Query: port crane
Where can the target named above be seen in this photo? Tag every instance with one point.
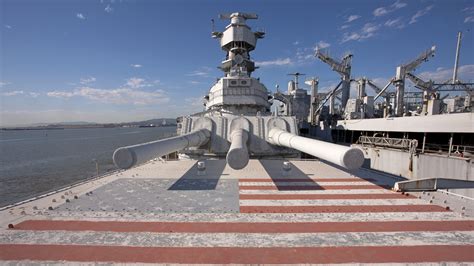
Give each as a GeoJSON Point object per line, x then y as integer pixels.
{"type": "Point", "coordinates": [401, 74]}
{"type": "Point", "coordinates": [380, 92]}
{"type": "Point", "coordinates": [343, 67]}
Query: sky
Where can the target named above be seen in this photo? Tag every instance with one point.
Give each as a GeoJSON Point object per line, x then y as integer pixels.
{"type": "Point", "coordinates": [130, 60]}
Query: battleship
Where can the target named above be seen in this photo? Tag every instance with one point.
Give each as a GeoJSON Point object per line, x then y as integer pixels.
{"type": "Point", "coordinates": [323, 179]}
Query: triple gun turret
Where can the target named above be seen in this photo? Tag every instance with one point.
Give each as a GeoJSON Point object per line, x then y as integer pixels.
{"type": "Point", "coordinates": [237, 123]}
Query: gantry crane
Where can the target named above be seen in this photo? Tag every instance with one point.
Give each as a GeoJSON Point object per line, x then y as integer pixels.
{"type": "Point", "coordinates": [342, 67]}
{"type": "Point", "coordinates": [401, 75]}
{"type": "Point", "coordinates": [361, 92]}
{"type": "Point", "coordinates": [425, 86]}
{"type": "Point", "coordinates": [330, 96]}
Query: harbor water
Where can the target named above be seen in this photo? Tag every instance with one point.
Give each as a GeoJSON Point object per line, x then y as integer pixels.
{"type": "Point", "coordinates": [36, 161]}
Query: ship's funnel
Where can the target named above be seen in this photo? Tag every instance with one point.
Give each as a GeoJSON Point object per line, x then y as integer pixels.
{"type": "Point", "coordinates": [129, 156]}
{"type": "Point", "coordinates": [347, 157]}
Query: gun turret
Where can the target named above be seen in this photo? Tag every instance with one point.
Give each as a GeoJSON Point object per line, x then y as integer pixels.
{"type": "Point", "coordinates": [126, 157]}
{"type": "Point", "coordinates": [347, 157]}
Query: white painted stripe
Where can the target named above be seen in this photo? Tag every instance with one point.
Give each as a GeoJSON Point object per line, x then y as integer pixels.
{"type": "Point", "coordinates": [333, 202]}
{"type": "Point", "coordinates": [257, 217]}
{"type": "Point", "coordinates": [238, 239]}
{"type": "Point", "coordinates": [306, 176]}
{"type": "Point", "coordinates": [75, 263]}
{"type": "Point", "coordinates": [305, 192]}
{"type": "Point", "coordinates": [307, 183]}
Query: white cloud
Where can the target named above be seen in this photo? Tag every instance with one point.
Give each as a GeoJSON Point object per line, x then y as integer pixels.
{"type": "Point", "coordinates": [87, 80]}
{"type": "Point", "coordinates": [20, 92]}
{"type": "Point", "coordinates": [136, 65]}
{"type": "Point", "coordinates": [8, 27]}
{"type": "Point", "coordinates": [13, 93]}
{"type": "Point", "coordinates": [60, 94]}
{"type": "Point", "coordinates": [395, 23]}
{"type": "Point", "coordinates": [469, 19]}
{"type": "Point", "coordinates": [353, 36]}
{"type": "Point", "coordinates": [469, 9]}
{"type": "Point", "coordinates": [194, 101]}
{"type": "Point", "coordinates": [322, 45]}
{"type": "Point", "coordinates": [343, 27]}
{"type": "Point", "coordinates": [367, 31]}
{"type": "Point", "coordinates": [296, 43]}
{"type": "Point", "coordinates": [465, 73]}
{"type": "Point", "coordinates": [135, 83]}
{"type": "Point", "coordinates": [420, 13]}
{"type": "Point", "coordinates": [194, 82]}
{"type": "Point", "coordinates": [108, 9]}
{"type": "Point", "coordinates": [304, 54]}
{"type": "Point", "coordinates": [4, 83]}
{"type": "Point", "coordinates": [202, 72]}
{"type": "Point", "coordinates": [380, 11]}
{"type": "Point", "coordinates": [388, 9]}
{"type": "Point", "coordinates": [80, 16]}
{"type": "Point", "coordinates": [114, 96]}
{"type": "Point", "coordinates": [370, 28]}
{"type": "Point", "coordinates": [352, 18]}
{"type": "Point", "coordinates": [276, 62]}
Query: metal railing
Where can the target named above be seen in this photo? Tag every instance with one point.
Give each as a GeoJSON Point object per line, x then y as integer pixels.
{"type": "Point", "coordinates": [404, 144]}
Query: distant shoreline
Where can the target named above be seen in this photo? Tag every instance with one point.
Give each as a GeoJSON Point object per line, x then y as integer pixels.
{"type": "Point", "coordinates": [81, 127]}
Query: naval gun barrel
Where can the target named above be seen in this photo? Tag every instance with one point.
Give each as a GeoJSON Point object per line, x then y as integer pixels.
{"type": "Point", "coordinates": [126, 157]}
{"type": "Point", "coordinates": [238, 154]}
{"type": "Point", "coordinates": [347, 157]}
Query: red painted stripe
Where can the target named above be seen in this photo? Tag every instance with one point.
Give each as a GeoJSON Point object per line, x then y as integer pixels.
{"type": "Point", "coordinates": [394, 254]}
{"type": "Point", "coordinates": [312, 187]}
{"type": "Point", "coordinates": [322, 196]}
{"type": "Point", "coordinates": [351, 179]}
{"type": "Point", "coordinates": [341, 209]}
{"type": "Point", "coordinates": [245, 227]}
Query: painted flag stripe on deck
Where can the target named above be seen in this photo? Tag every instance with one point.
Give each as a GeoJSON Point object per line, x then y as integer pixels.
{"type": "Point", "coordinates": [334, 202]}
{"type": "Point", "coordinates": [353, 179]}
{"type": "Point", "coordinates": [395, 254]}
{"type": "Point", "coordinates": [341, 209]}
{"type": "Point", "coordinates": [308, 183]}
{"type": "Point", "coordinates": [242, 227]}
{"type": "Point", "coordinates": [263, 217]}
{"type": "Point", "coordinates": [377, 190]}
{"type": "Point", "coordinates": [323, 196]}
{"type": "Point", "coordinates": [334, 187]}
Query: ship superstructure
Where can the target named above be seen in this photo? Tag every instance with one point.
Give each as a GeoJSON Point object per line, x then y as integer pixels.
{"type": "Point", "coordinates": [408, 127]}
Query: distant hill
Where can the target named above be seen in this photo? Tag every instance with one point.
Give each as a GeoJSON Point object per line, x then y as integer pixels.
{"type": "Point", "coordinates": [75, 123]}
{"type": "Point", "coordinates": [79, 124]}
{"type": "Point", "coordinates": [157, 121]}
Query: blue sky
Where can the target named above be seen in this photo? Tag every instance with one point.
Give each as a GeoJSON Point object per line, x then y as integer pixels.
{"type": "Point", "coordinates": [112, 61]}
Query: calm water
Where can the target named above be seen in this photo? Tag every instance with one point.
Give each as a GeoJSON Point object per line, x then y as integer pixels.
{"type": "Point", "coordinates": [36, 161]}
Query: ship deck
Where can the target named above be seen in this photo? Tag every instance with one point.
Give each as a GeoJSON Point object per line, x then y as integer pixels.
{"type": "Point", "coordinates": [169, 212]}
